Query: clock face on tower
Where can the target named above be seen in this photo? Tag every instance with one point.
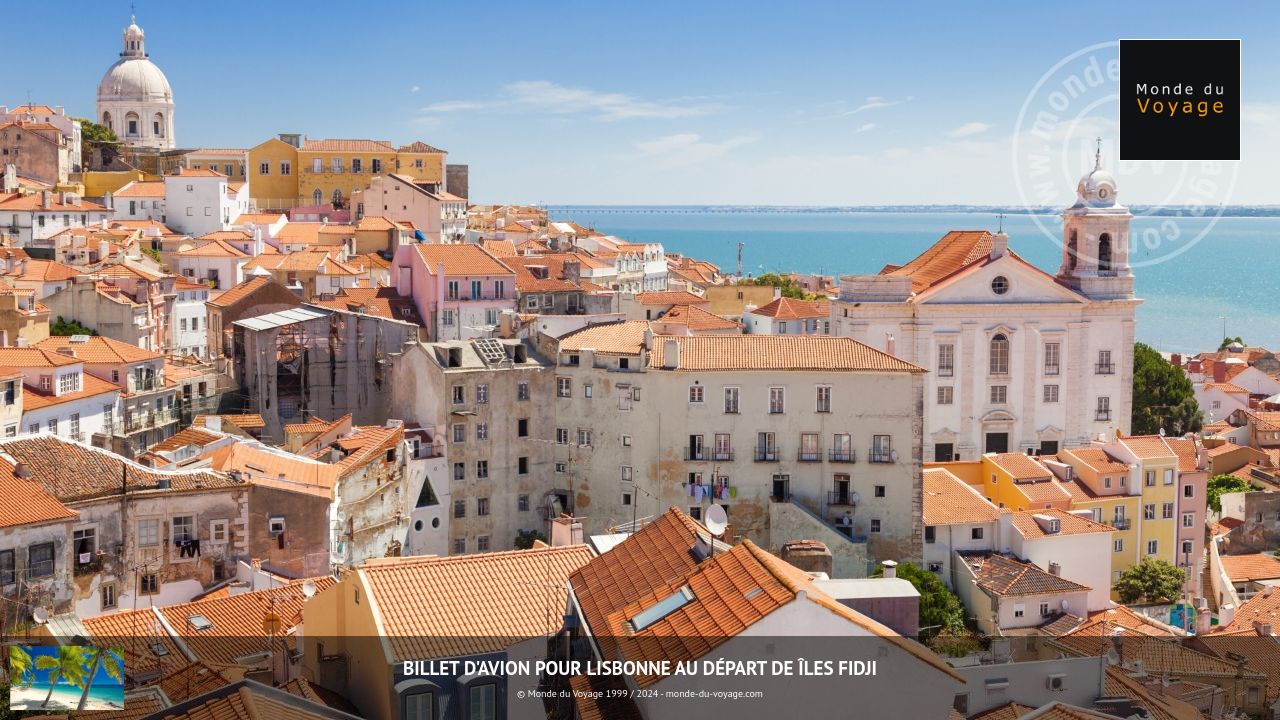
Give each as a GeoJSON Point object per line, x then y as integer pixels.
{"type": "Point", "coordinates": [1103, 192]}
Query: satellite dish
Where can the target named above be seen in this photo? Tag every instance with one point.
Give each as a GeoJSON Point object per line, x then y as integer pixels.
{"type": "Point", "coordinates": [717, 520]}
{"type": "Point", "coordinates": [40, 615]}
{"type": "Point", "coordinates": [309, 588]}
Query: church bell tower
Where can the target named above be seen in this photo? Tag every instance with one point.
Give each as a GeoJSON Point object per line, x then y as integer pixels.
{"type": "Point", "coordinates": [1095, 239]}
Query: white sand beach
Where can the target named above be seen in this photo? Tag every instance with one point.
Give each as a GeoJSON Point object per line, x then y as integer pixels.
{"type": "Point", "coordinates": [64, 698]}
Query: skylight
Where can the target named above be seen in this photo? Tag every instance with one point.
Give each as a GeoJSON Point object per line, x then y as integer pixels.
{"type": "Point", "coordinates": [199, 622]}
{"type": "Point", "coordinates": [663, 608]}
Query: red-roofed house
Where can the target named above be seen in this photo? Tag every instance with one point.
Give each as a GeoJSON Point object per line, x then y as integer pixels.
{"type": "Point", "coordinates": [789, 316]}
{"type": "Point", "coordinates": [460, 290]}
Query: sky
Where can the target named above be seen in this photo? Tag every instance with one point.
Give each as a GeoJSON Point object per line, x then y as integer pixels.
{"type": "Point", "coordinates": [101, 677]}
{"type": "Point", "coordinates": [803, 103]}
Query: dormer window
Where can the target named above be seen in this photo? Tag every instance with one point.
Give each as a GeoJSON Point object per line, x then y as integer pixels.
{"type": "Point", "coordinates": [68, 383]}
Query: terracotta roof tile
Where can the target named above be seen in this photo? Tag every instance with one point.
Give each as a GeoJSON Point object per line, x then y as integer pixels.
{"type": "Point", "coordinates": [614, 338]}
{"type": "Point", "coordinates": [27, 502]}
{"type": "Point", "coordinates": [1148, 447]}
{"type": "Point", "coordinates": [274, 468]}
{"type": "Point", "coordinates": [420, 147]}
{"type": "Point", "coordinates": [776, 352]}
{"type": "Point", "coordinates": [1008, 577]}
{"type": "Point", "coordinates": [142, 188]}
{"type": "Point", "coordinates": [785, 308]}
{"type": "Point", "coordinates": [1069, 524]}
{"type": "Point", "coordinates": [948, 500]}
{"type": "Point", "coordinates": [344, 145]}
{"type": "Point", "coordinates": [214, 248]}
{"type": "Point", "coordinates": [697, 318]}
{"type": "Point", "coordinates": [98, 349]}
{"type": "Point", "coordinates": [187, 437]}
{"type": "Point", "coordinates": [1008, 711]}
{"type": "Point", "coordinates": [44, 271]}
{"type": "Point", "coordinates": [433, 607]}
{"type": "Point", "coordinates": [1097, 459]}
{"type": "Point", "coordinates": [1020, 466]}
{"type": "Point", "coordinates": [235, 294]}
{"type": "Point", "coordinates": [90, 386]}
{"type": "Point", "coordinates": [1254, 566]}
{"type": "Point", "coordinates": [464, 259]}
{"type": "Point", "coordinates": [956, 250]}
{"type": "Point", "coordinates": [670, 297]}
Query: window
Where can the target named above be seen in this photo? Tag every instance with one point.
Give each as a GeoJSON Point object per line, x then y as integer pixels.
{"type": "Point", "coordinates": [1186, 547]}
{"type": "Point", "coordinates": [1150, 478]}
{"type": "Point", "coordinates": [1117, 545]}
{"type": "Point", "coordinates": [881, 451]}
{"type": "Point", "coordinates": [1000, 285]}
{"type": "Point", "coordinates": [107, 593]}
{"type": "Point", "coordinates": [184, 528]}
{"type": "Point", "coordinates": [459, 508]}
{"type": "Point", "coordinates": [564, 387]}
{"type": "Point", "coordinates": [586, 389]}
{"type": "Point", "coordinates": [809, 451]}
{"type": "Point", "coordinates": [8, 572]}
{"type": "Point", "coordinates": [999, 394]}
{"type": "Point", "coordinates": [482, 471]}
{"type": "Point", "coordinates": [446, 318]}
{"type": "Point", "coordinates": [482, 699]}
{"type": "Point", "coordinates": [482, 543]}
{"type": "Point", "coordinates": [824, 399]}
{"type": "Point", "coordinates": [731, 400]}
{"type": "Point", "coordinates": [998, 360]}
{"type": "Point", "coordinates": [219, 532]}
{"type": "Point", "coordinates": [1168, 476]}
{"type": "Point", "coordinates": [1153, 547]}
{"type": "Point", "coordinates": [946, 360]}
{"type": "Point", "coordinates": [482, 431]}
{"type": "Point", "coordinates": [584, 437]}
{"type": "Point", "coordinates": [285, 168]}
{"type": "Point", "coordinates": [1051, 393]}
{"type": "Point", "coordinates": [1019, 610]}
{"type": "Point", "coordinates": [148, 532]}
{"type": "Point", "coordinates": [626, 498]}
{"type": "Point", "coordinates": [83, 544]}
{"type": "Point", "coordinates": [53, 426]}
{"type": "Point", "coordinates": [149, 584]}
{"type": "Point", "coordinates": [975, 533]}
{"type": "Point", "coordinates": [459, 471]}
{"type": "Point", "coordinates": [1149, 511]}
{"type": "Point", "coordinates": [376, 165]}
{"type": "Point", "coordinates": [522, 466]}
{"type": "Point", "coordinates": [1188, 491]}
{"type": "Point", "coordinates": [562, 436]}
{"type": "Point", "coordinates": [695, 393]}
{"type": "Point", "coordinates": [40, 560]}
{"type": "Point", "coordinates": [482, 393]}
{"type": "Point", "coordinates": [626, 473]}
{"type": "Point", "coordinates": [875, 525]}
{"type": "Point", "coordinates": [562, 468]}
{"type": "Point", "coordinates": [522, 391]}
{"type": "Point", "coordinates": [1106, 482]}
{"type": "Point", "coordinates": [357, 165]}
{"type": "Point", "coordinates": [522, 427]}
{"type": "Point", "coordinates": [724, 447]}
{"type": "Point", "coordinates": [1166, 511]}
{"type": "Point", "coordinates": [482, 506]}
{"type": "Point", "coordinates": [419, 706]}
{"type": "Point", "coordinates": [459, 432]}
{"type": "Point", "coordinates": [459, 546]}
{"type": "Point", "coordinates": [264, 168]}
{"type": "Point", "coordinates": [1052, 358]}
{"type": "Point", "coordinates": [1044, 609]}
{"type": "Point", "coordinates": [945, 394]}
{"type": "Point", "coordinates": [1104, 409]}
{"type": "Point", "coordinates": [930, 534]}
{"type": "Point", "coordinates": [75, 424]}
{"type": "Point", "coordinates": [777, 400]}
{"type": "Point", "coordinates": [522, 503]}
{"type": "Point", "coordinates": [1188, 520]}
{"type": "Point", "coordinates": [626, 441]}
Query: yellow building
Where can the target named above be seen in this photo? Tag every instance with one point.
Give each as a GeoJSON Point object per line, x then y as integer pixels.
{"type": "Point", "coordinates": [273, 174]}
{"type": "Point", "coordinates": [1100, 483]}
{"type": "Point", "coordinates": [331, 170]}
{"type": "Point", "coordinates": [421, 162]}
{"type": "Point", "coordinates": [228, 161]}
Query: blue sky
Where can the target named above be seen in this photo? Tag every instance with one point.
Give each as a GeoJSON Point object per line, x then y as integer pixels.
{"type": "Point", "coordinates": [101, 677]}
{"type": "Point", "coordinates": [662, 102]}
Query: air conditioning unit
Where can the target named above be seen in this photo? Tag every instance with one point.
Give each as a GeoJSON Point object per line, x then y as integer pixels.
{"type": "Point", "coordinates": [1056, 682]}
{"type": "Point", "coordinates": [276, 525]}
{"type": "Point", "coordinates": [935, 567]}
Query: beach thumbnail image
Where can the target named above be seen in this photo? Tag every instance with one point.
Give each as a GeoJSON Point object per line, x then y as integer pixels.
{"type": "Point", "coordinates": [65, 678]}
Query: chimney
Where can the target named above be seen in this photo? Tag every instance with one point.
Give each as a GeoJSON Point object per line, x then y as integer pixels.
{"type": "Point", "coordinates": [1175, 359]}
{"type": "Point", "coordinates": [1055, 569]}
{"type": "Point", "coordinates": [1263, 629]}
{"type": "Point", "coordinates": [811, 556]}
{"type": "Point", "coordinates": [890, 568]}
{"type": "Point", "coordinates": [1219, 372]}
{"type": "Point", "coordinates": [22, 470]}
{"type": "Point", "coordinates": [45, 198]}
{"type": "Point", "coordinates": [104, 248]}
{"type": "Point", "coordinates": [890, 345]}
{"type": "Point", "coordinates": [10, 178]}
{"type": "Point", "coordinates": [999, 245]}
{"type": "Point", "coordinates": [671, 354]}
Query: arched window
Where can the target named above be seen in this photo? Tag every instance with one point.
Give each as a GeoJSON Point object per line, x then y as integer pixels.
{"type": "Point", "coordinates": [131, 125]}
{"type": "Point", "coordinates": [157, 125]}
{"type": "Point", "coordinates": [337, 198]}
{"type": "Point", "coordinates": [106, 120]}
{"type": "Point", "coordinates": [999, 360]}
{"type": "Point", "coordinates": [1071, 251]}
{"type": "Point", "coordinates": [317, 197]}
{"type": "Point", "coordinates": [1104, 253]}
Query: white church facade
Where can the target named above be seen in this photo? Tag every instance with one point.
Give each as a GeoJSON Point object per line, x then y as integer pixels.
{"type": "Point", "coordinates": [1018, 360]}
{"type": "Point", "coordinates": [134, 97]}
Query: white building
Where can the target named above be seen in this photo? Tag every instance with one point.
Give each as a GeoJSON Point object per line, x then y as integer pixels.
{"type": "Point", "coordinates": [134, 97]}
{"type": "Point", "coordinates": [187, 321]}
{"type": "Point", "coordinates": [42, 215]}
{"type": "Point", "coordinates": [789, 316]}
{"type": "Point", "coordinates": [956, 518]}
{"type": "Point", "coordinates": [198, 202]}
{"type": "Point", "coordinates": [1066, 544]}
{"type": "Point", "coordinates": [1018, 359]}
{"type": "Point", "coordinates": [59, 397]}
{"type": "Point", "coordinates": [140, 200]}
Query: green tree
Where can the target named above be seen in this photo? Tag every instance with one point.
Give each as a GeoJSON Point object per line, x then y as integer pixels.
{"type": "Point", "coordinates": [789, 287]}
{"type": "Point", "coordinates": [1219, 485]}
{"type": "Point", "coordinates": [1162, 396]}
{"type": "Point", "coordinates": [1227, 341]}
{"type": "Point", "coordinates": [526, 538]}
{"type": "Point", "coordinates": [67, 664]}
{"type": "Point", "coordinates": [940, 610]}
{"type": "Point", "coordinates": [1151, 580]}
{"type": "Point", "coordinates": [66, 328]}
{"type": "Point", "coordinates": [92, 136]}
{"type": "Point", "coordinates": [111, 661]}
{"type": "Point", "coordinates": [20, 665]}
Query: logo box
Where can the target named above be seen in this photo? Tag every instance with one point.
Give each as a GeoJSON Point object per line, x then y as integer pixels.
{"type": "Point", "coordinates": [1180, 99]}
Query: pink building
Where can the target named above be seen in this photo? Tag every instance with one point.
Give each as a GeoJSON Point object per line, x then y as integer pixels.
{"type": "Point", "coordinates": [459, 290]}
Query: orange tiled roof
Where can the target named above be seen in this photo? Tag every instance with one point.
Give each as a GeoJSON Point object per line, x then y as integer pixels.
{"type": "Point", "coordinates": [380, 302]}
{"type": "Point", "coordinates": [1068, 523]}
{"type": "Point", "coordinates": [90, 386]}
{"type": "Point", "coordinates": [276, 468]}
{"type": "Point", "coordinates": [1148, 447]}
{"type": "Point", "coordinates": [1008, 711]}
{"type": "Point", "coordinates": [1020, 466]}
{"type": "Point", "coordinates": [214, 248]}
{"type": "Point", "coordinates": [420, 147]}
{"type": "Point", "coordinates": [1097, 459]}
{"type": "Point", "coordinates": [33, 357]}
{"type": "Point", "coordinates": [955, 251]}
{"type": "Point", "coordinates": [1263, 607]}
{"type": "Point", "coordinates": [1260, 653]}
{"type": "Point", "coordinates": [235, 294]}
{"type": "Point", "coordinates": [464, 259]}
{"type": "Point", "coordinates": [244, 421]}
{"type": "Point", "coordinates": [267, 218]}
{"type": "Point", "coordinates": [697, 318]}
{"type": "Point", "coordinates": [27, 502]}
{"type": "Point", "coordinates": [35, 201]}
{"type": "Point", "coordinates": [341, 145]}
{"type": "Point", "coordinates": [614, 338]}
{"type": "Point", "coordinates": [1188, 452]}
{"type": "Point", "coordinates": [1008, 577]}
{"type": "Point", "coordinates": [142, 188]}
{"type": "Point", "coordinates": [98, 349]}
{"type": "Point", "coordinates": [776, 352]}
{"type": "Point", "coordinates": [72, 472]}
{"type": "Point", "coordinates": [196, 172]}
{"type": "Point", "coordinates": [1253, 566]}
{"type": "Point", "coordinates": [670, 297]}
{"type": "Point", "coordinates": [785, 308]}
{"type": "Point", "coordinates": [948, 500]}
{"type": "Point", "coordinates": [433, 607]}
{"type": "Point", "coordinates": [184, 438]}
{"type": "Point", "coordinates": [44, 271]}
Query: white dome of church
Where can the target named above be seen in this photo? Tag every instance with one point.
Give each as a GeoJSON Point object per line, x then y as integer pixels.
{"type": "Point", "coordinates": [134, 97]}
{"type": "Point", "coordinates": [1098, 187]}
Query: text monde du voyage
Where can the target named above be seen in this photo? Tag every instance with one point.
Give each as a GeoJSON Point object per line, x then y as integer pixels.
{"type": "Point", "coordinates": [1180, 99]}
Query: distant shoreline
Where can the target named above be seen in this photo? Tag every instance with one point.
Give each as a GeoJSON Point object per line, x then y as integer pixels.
{"type": "Point", "coordinates": [1240, 211]}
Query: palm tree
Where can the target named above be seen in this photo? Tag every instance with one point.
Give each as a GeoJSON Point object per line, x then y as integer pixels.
{"type": "Point", "coordinates": [108, 658]}
{"type": "Point", "coordinates": [20, 665]}
{"type": "Point", "coordinates": [67, 664]}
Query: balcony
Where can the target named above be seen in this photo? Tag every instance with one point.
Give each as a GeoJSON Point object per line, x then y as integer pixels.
{"type": "Point", "coordinates": [1119, 523]}
{"type": "Point", "coordinates": [475, 298]}
{"type": "Point", "coordinates": [722, 454]}
{"type": "Point", "coordinates": [766, 454]}
{"type": "Point", "coordinates": [695, 453]}
{"type": "Point", "coordinates": [92, 567]}
{"type": "Point", "coordinates": [946, 371]}
{"type": "Point", "coordinates": [810, 455]}
{"type": "Point", "coordinates": [880, 456]}
{"type": "Point", "coordinates": [1105, 369]}
{"type": "Point", "coordinates": [842, 456]}
{"type": "Point", "coordinates": [1052, 369]}
{"type": "Point", "coordinates": [842, 497]}
{"type": "Point", "coordinates": [1102, 416]}
{"type": "Point", "coordinates": [432, 450]}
